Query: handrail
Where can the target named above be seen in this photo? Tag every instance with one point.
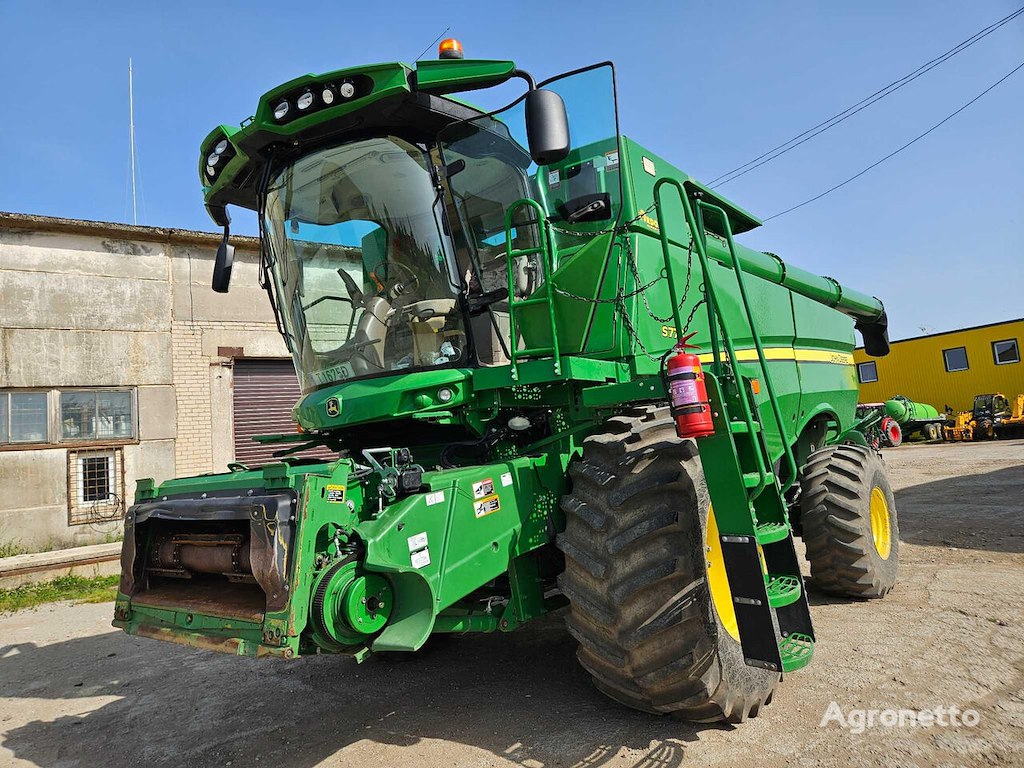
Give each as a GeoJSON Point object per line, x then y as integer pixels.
{"type": "Point", "coordinates": [741, 282]}
{"type": "Point", "coordinates": [543, 249]}
{"type": "Point", "coordinates": [700, 246]}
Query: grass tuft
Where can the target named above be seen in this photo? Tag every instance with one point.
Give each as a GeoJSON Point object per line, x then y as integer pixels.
{"type": "Point", "coordinates": [99, 589]}
{"type": "Point", "coordinates": [11, 549]}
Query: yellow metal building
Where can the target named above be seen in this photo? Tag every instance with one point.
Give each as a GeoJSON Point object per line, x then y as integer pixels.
{"type": "Point", "coordinates": [947, 368]}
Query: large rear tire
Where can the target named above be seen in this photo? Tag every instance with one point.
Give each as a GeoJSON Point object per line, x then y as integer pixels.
{"type": "Point", "coordinates": [643, 578]}
{"type": "Point", "coordinates": [848, 515]}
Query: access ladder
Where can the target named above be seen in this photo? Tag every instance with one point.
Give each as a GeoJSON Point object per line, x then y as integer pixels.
{"type": "Point", "coordinates": [746, 492]}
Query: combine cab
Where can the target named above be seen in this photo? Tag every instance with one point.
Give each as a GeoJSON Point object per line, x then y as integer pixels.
{"type": "Point", "coordinates": [489, 315]}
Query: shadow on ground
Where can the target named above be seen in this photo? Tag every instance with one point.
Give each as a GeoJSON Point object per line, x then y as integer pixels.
{"type": "Point", "coordinates": [982, 511]}
{"type": "Point", "coordinates": [521, 697]}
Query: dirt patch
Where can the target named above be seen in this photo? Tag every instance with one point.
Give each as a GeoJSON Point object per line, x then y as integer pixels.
{"type": "Point", "coordinates": [74, 692]}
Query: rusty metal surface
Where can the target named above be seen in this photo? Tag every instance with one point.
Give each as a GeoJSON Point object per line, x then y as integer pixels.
{"type": "Point", "coordinates": [221, 598]}
{"type": "Point", "coordinates": [231, 645]}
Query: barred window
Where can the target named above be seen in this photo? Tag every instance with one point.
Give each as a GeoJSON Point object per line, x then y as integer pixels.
{"type": "Point", "coordinates": [95, 485]}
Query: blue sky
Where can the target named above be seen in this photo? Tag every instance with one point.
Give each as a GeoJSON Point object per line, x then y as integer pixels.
{"type": "Point", "coordinates": [935, 232]}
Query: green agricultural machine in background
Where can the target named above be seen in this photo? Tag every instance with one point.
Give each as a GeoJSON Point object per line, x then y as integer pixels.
{"type": "Point", "coordinates": [888, 424]}
{"type": "Point", "coordinates": [482, 308]}
{"type": "Point", "coordinates": [915, 417]}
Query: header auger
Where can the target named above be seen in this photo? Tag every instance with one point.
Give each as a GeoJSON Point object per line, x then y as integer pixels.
{"type": "Point", "coordinates": [483, 310]}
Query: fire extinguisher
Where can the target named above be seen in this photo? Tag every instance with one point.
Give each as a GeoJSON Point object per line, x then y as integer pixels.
{"type": "Point", "coordinates": [688, 394]}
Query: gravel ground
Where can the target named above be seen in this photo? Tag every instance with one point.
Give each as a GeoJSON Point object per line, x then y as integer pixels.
{"type": "Point", "coordinates": [74, 692]}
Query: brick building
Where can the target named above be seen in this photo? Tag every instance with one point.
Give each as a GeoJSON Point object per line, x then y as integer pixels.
{"type": "Point", "coordinates": [117, 362]}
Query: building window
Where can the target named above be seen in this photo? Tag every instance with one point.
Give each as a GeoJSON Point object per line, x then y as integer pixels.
{"type": "Point", "coordinates": [867, 372]}
{"type": "Point", "coordinates": [23, 417]}
{"type": "Point", "coordinates": [29, 418]}
{"type": "Point", "coordinates": [955, 359]}
{"type": "Point", "coordinates": [1006, 351]}
{"type": "Point", "coordinates": [96, 415]}
{"type": "Point", "coordinates": [95, 485]}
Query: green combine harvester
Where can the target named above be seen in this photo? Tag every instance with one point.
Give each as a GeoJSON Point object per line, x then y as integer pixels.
{"type": "Point", "coordinates": [487, 313]}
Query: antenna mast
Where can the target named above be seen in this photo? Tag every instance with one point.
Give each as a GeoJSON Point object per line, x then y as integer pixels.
{"type": "Point", "coordinates": [131, 133]}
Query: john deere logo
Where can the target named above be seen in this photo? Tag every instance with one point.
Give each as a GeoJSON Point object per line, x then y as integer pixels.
{"type": "Point", "coordinates": [333, 407]}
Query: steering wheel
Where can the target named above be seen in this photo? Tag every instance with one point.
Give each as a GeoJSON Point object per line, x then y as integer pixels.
{"type": "Point", "coordinates": [395, 287]}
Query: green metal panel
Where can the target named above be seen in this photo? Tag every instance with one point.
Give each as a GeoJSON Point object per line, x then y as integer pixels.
{"type": "Point", "coordinates": [453, 75]}
{"type": "Point", "coordinates": [403, 395]}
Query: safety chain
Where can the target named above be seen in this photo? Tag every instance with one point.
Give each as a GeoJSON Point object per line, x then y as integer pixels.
{"type": "Point", "coordinates": [618, 229]}
{"type": "Point", "coordinates": [619, 300]}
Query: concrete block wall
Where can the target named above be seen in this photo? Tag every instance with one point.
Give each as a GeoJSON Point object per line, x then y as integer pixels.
{"type": "Point", "coordinates": [90, 304]}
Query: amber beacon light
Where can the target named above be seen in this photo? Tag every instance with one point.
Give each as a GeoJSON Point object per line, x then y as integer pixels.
{"type": "Point", "coordinates": [450, 49]}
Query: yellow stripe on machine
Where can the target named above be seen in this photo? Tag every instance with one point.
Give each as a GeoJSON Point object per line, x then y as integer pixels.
{"type": "Point", "coordinates": [790, 353]}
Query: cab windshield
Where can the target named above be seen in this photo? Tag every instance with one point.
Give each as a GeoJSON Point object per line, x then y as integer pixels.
{"type": "Point", "coordinates": [359, 265]}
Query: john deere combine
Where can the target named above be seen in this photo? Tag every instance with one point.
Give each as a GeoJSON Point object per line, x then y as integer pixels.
{"type": "Point", "coordinates": [487, 314]}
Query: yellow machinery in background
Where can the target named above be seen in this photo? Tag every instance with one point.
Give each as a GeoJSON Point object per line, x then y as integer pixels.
{"type": "Point", "coordinates": [961, 427]}
{"type": "Point", "coordinates": [1012, 425]}
{"type": "Point", "coordinates": [992, 416]}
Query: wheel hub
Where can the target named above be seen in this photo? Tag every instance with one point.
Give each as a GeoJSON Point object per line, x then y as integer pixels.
{"type": "Point", "coordinates": [349, 604]}
{"type": "Point", "coordinates": [881, 529]}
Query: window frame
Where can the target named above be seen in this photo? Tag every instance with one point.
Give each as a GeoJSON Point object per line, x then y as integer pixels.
{"type": "Point", "coordinates": [54, 423]}
{"type": "Point", "coordinates": [995, 356]}
{"type": "Point", "coordinates": [874, 367]}
{"type": "Point", "coordinates": [9, 444]}
{"type": "Point", "coordinates": [945, 360]}
{"type": "Point", "coordinates": [96, 392]}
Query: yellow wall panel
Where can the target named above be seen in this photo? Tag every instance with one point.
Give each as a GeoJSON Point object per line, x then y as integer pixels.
{"type": "Point", "coordinates": [915, 368]}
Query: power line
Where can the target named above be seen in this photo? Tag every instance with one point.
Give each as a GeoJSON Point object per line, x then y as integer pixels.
{"type": "Point", "coordinates": [946, 119]}
{"type": "Point", "coordinates": [863, 104]}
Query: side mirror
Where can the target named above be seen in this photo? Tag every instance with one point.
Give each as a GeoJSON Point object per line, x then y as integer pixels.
{"type": "Point", "coordinates": [222, 264]}
{"type": "Point", "coordinates": [547, 127]}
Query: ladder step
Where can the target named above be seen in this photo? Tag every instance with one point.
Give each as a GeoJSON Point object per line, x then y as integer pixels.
{"type": "Point", "coordinates": [740, 427]}
{"type": "Point", "coordinates": [783, 590]}
{"type": "Point", "coordinates": [796, 651]}
{"type": "Point", "coordinates": [769, 533]}
{"type": "Point", "coordinates": [752, 479]}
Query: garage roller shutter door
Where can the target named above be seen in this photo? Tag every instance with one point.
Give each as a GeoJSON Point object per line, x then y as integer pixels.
{"type": "Point", "coordinates": [264, 393]}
